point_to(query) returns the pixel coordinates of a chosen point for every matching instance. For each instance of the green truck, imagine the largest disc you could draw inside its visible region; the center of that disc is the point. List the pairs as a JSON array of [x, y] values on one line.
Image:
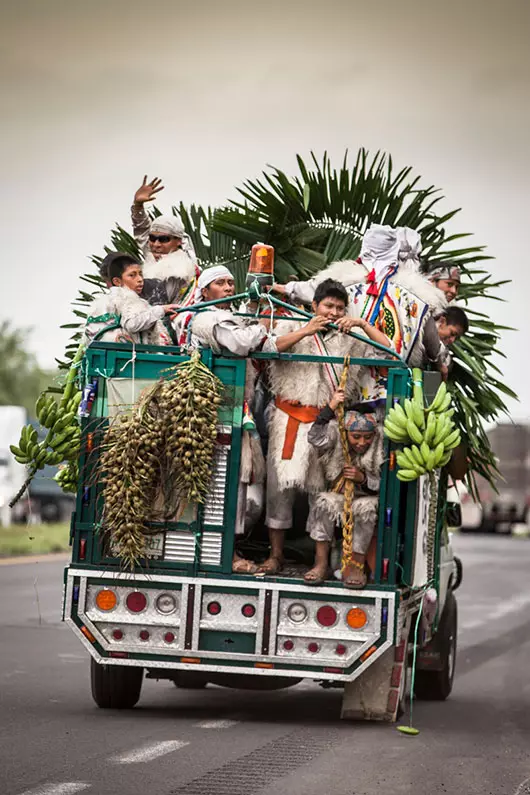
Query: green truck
[[182, 614]]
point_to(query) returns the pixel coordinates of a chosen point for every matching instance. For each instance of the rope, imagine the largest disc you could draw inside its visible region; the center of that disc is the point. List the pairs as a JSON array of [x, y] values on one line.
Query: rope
[[349, 487]]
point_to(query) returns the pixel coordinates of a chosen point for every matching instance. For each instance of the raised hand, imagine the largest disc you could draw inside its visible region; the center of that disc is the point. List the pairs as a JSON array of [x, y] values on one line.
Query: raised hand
[[337, 399], [148, 190], [316, 324], [347, 323]]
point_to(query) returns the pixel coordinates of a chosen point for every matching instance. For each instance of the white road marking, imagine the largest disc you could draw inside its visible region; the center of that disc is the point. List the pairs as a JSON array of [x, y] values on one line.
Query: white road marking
[[148, 752], [523, 788], [216, 724], [66, 788]]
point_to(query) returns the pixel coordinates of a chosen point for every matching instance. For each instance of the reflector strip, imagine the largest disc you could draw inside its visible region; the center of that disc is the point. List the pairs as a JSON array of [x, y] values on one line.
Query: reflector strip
[[189, 617], [263, 665], [190, 660], [87, 633], [368, 653], [265, 641]]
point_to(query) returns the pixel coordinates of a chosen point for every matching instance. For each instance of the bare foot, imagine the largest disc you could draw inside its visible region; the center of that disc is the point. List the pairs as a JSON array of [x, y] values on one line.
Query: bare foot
[[317, 574], [353, 576], [243, 566], [272, 565]]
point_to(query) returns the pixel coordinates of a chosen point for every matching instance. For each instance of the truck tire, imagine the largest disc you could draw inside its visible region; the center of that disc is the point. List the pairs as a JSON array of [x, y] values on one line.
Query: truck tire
[[437, 685], [189, 680], [115, 686]]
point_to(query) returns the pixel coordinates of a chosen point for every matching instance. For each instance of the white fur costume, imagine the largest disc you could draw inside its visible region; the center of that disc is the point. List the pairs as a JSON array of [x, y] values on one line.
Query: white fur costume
[[139, 322], [329, 506]]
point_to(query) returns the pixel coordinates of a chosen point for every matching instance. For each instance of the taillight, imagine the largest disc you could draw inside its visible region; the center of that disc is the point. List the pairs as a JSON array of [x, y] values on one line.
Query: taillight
[[288, 645], [248, 610], [144, 634], [326, 616], [313, 647], [117, 634], [166, 603], [214, 608], [136, 602], [297, 612], [169, 637], [340, 649], [356, 618], [106, 600]]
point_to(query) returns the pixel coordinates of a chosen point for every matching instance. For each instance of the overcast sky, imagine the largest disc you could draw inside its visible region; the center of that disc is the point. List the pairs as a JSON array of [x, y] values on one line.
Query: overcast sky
[[205, 94]]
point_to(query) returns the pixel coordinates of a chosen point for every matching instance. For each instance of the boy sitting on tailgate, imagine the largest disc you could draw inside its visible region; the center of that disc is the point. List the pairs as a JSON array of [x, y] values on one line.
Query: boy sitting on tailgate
[[121, 314], [365, 440]]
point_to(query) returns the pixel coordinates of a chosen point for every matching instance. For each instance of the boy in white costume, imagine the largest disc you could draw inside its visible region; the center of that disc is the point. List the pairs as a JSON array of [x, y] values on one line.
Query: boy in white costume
[[365, 441], [301, 389], [168, 252], [216, 327], [126, 316]]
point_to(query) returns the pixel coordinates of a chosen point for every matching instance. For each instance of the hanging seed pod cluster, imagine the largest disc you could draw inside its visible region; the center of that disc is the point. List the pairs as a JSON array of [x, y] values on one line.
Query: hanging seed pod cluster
[[131, 463], [160, 455]]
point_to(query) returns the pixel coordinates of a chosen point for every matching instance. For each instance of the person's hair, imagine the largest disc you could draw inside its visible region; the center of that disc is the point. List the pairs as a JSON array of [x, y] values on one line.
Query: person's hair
[[454, 316], [116, 256], [119, 265], [330, 288]]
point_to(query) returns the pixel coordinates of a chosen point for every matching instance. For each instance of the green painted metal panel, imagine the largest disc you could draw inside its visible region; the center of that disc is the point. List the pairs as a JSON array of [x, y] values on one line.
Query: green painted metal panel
[[229, 642]]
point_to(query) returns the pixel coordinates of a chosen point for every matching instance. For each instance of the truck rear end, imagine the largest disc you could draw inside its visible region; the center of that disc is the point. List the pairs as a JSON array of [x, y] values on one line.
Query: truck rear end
[[183, 615]]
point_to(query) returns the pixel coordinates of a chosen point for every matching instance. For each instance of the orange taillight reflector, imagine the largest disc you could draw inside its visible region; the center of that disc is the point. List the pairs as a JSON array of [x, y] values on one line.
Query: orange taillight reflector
[[190, 660], [368, 653], [106, 599], [263, 665], [87, 633], [356, 618]]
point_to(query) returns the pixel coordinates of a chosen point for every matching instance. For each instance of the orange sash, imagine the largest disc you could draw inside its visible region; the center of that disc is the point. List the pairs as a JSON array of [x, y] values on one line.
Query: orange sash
[[297, 414]]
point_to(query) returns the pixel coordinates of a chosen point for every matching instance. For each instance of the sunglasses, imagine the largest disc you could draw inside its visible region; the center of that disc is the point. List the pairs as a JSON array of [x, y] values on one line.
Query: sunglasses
[[160, 238]]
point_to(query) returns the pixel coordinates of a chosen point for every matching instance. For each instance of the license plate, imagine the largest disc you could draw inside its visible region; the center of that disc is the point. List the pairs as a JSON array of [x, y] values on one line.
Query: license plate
[[155, 546]]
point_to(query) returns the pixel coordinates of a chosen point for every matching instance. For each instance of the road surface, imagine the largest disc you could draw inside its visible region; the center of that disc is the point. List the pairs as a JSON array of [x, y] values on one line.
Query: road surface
[[54, 741]]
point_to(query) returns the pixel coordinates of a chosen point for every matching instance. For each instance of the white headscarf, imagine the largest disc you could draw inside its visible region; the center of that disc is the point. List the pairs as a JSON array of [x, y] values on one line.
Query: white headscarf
[[384, 249], [170, 225], [209, 275]]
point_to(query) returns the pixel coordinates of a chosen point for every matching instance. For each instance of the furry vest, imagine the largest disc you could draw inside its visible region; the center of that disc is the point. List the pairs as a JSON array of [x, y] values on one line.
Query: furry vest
[[117, 301], [308, 384], [333, 462], [176, 270]]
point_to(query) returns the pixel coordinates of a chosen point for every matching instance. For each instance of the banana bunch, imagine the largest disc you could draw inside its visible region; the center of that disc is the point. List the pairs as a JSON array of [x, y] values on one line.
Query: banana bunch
[[430, 432], [67, 477], [63, 437]]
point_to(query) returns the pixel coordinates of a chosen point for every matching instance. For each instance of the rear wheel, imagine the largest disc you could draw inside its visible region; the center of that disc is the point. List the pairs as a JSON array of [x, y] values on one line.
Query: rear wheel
[[115, 686], [433, 685]]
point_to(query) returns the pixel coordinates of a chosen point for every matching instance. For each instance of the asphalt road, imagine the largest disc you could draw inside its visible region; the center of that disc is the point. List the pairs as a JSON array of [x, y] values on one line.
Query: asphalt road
[[54, 741]]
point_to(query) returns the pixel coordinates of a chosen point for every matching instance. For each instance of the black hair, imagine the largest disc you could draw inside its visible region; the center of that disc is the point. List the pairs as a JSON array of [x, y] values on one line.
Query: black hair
[[330, 288], [454, 316], [115, 263]]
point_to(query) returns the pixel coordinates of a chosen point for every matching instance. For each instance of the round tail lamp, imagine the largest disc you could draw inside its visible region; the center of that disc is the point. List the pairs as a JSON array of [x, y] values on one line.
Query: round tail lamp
[[356, 618], [106, 600], [136, 602]]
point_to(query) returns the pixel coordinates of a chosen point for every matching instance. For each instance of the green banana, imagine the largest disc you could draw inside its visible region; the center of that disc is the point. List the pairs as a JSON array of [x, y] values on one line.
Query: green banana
[[416, 454], [418, 415], [414, 432], [407, 475], [395, 433], [442, 429], [447, 457], [438, 398], [425, 451], [438, 453], [430, 429], [454, 443], [446, 402], [407, 452], [453, 437], [63, 421], [398, 414]]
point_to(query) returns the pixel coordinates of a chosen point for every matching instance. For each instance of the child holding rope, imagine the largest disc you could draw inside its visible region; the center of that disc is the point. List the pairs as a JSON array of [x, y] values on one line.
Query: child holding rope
[[365, 448]]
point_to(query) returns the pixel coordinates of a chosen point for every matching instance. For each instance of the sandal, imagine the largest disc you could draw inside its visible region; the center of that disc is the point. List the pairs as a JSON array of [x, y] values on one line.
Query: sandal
[[243, 566], [271, 566], [313, 578], [353, 575]]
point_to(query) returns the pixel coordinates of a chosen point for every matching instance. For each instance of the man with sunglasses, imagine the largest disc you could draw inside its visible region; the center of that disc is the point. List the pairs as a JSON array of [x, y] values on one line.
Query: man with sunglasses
[[168, 253]]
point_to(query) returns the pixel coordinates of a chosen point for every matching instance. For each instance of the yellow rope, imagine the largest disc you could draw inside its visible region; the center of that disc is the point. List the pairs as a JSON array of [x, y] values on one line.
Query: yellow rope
[[349, 488]]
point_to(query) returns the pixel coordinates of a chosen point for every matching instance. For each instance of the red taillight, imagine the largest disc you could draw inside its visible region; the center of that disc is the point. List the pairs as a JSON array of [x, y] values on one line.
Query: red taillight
[[214, 608], [385, 568], [313, 647], [82, 549], [326, 616], [117, 634], [169, 637], [136, 602], [340, 649], [144, 634], [248, 611], [333, 670], [288, 645], [121, 654]]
